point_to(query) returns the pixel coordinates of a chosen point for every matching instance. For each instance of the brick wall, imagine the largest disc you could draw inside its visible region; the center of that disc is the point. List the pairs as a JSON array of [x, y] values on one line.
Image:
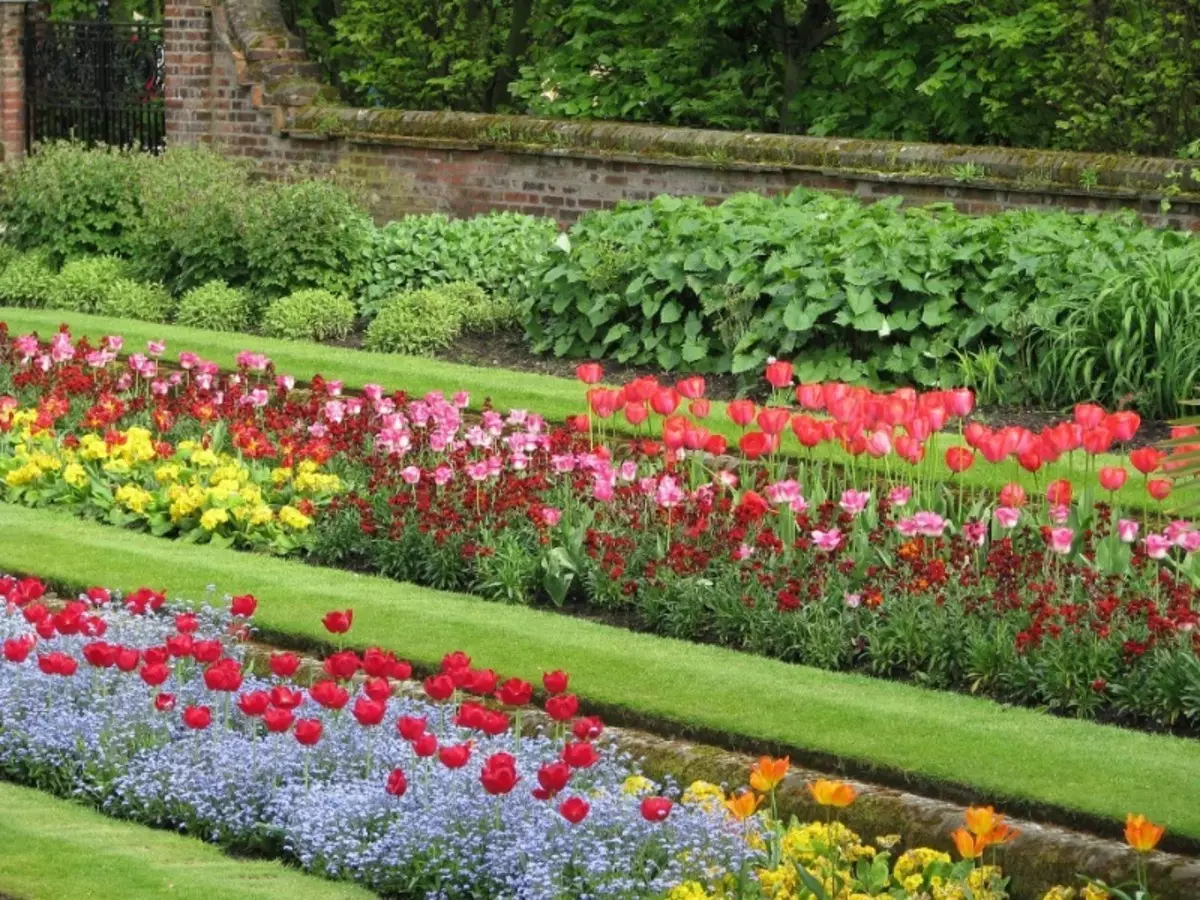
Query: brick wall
[[238, 79], [12, 81]]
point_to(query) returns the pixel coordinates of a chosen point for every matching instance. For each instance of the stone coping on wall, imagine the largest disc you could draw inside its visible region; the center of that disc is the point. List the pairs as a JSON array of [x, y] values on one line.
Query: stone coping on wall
[[271, 61]]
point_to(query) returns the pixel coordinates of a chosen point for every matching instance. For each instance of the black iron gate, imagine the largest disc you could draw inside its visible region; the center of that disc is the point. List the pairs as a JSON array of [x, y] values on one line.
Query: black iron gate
[[98, 82]]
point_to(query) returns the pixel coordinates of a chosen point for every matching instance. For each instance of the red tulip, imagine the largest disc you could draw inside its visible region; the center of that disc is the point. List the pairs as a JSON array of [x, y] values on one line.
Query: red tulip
[[243, 605], [494, 722], [773, 420], [580, 424], [716, 445], [16, 650], [483, 682], [254, 703], [563, 707], [411, 727], [579, 754], [636, 413], [225, 675], [515, 692], [587, 728], [164, 702], [1059, 492], [700, 408], [499, 774], [197, 717], [959, 459], [425, 746], [368, 712], [755, 444], [665, 401], [589, 373], [960, 402], [45, 628], [1124, 424], [574, 810], [154, 675], [439, 687], [283, 665], [1112, 477], [656, 809], [329, 694], [779, 374], [1012, 494], [1146, 459], [180, 644], [128, 659], [277, 719], [1030, 461], [307, 731], [186, 623], [691, 387], [741, 412], [285, 698], [1097, 440], [552, 778], [1159, 488], [57, 663], [397, 783], [810, 396], [379, 689], [100, 654], [555, 682], [470, 715], [35, 613], [338, 622], [1088, 415], [342, 665], [401, 670], [207, 651], [456, 756]]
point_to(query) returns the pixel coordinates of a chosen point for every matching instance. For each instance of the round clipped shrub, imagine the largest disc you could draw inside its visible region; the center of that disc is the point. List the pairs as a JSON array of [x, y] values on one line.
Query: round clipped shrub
[[136, 300], [216, 306], [417, 322], [311, 314], [27, 280], [84, 284]]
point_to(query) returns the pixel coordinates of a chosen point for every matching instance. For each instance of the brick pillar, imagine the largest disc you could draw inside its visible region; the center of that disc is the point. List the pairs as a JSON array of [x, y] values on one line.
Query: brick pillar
[[12, 81], [188, 58]]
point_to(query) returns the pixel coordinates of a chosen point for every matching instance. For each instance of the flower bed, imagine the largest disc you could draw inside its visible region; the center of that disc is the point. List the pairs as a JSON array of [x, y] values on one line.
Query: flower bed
[[148, 709], [1032, 596]]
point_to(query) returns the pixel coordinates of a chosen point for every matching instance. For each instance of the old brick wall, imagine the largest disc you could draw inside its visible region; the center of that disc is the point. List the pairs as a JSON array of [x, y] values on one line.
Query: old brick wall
[[238, 79]]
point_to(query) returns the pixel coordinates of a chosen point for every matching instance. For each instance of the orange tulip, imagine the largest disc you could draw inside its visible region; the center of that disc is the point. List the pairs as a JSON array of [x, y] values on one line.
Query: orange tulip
[[742, 806], [1002, 834], [832, 793], [1142, 835], [969, 846], [768, 773], [981, 820]]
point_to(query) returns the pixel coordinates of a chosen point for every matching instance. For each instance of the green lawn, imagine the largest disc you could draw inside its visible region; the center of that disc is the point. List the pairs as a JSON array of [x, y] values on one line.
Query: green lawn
[[552, 397], [52, 849], [1002, 754]]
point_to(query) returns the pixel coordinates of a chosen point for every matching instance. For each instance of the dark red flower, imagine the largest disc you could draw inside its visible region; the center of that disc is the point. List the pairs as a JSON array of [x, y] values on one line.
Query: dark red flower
[[254, 703], [243, 605], [455, 756], [369, 712], [499, 774], [397, 783], [154, 674], [656, 809], [579, 754], [574, 809], [338, 621], [515, 692], [283, 665], [562, 707], [555, 682], [197, 717], [277, 719], [307, 731], [439, 687], [411, 727]]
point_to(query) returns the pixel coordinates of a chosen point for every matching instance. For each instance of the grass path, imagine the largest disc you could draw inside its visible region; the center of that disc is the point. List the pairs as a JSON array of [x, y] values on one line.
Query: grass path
[[554, 398], [1009, 755], [53, 849]]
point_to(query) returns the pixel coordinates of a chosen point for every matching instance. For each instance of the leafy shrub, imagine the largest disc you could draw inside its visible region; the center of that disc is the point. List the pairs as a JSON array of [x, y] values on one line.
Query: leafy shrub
[[855, 292], [497, 252], [132, 299], [189, 230], [27, 279], [72, 201], [86, 284], [216, 306], [309, 315], [417, 321], [306, 234]]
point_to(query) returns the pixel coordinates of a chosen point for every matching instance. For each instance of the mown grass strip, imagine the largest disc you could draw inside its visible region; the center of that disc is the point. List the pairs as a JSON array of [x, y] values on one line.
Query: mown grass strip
[[53, 849], [552, 397], [1000, 753]]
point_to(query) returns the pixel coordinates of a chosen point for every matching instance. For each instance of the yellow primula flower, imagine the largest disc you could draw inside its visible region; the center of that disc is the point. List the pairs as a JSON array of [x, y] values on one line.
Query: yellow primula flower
[[703, 794], [281, 475], [134, 498], [213, 519], [634, 785], [23, 475], [167, 474], [117, 466], [261, 515], [92, 447], [204, 458], [293, 518], [75, 475], [915, 861], [689, 890]]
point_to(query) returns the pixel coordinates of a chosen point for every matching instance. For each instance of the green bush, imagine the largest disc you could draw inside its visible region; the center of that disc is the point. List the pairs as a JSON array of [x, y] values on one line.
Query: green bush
[[309, 315], [132, 299], [27, 280], [86, 284], [497, 252], [306, 234], [189, 230], [216, 306], [417, 322], [850, 291], [72, 201]]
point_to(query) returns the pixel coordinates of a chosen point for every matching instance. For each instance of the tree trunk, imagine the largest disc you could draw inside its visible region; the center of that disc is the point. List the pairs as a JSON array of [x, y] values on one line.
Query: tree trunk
[[514, 49]]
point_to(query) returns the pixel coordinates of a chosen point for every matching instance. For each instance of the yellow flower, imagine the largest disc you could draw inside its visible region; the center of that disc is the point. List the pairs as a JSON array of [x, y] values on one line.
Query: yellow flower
[[205, 458], [75, 475], [134, 498], [887, 841], [117, 466], [167, 473], [92, 446], [916, 861], [634, 784], [293, 518], [261, 515], [703, 794], [1059, 892], [23, 475], [213, 518], [768, 773], [281, 475], [689, 890]]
